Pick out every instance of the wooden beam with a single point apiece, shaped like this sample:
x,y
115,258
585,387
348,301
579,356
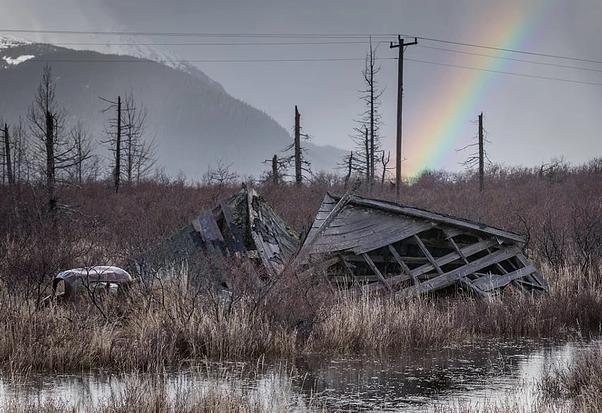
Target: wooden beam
x,y
427,254
458,250
404,268
440,218
447,279
536,276
302,255
491,282
446,259
376,271
381,259
474,288
451,257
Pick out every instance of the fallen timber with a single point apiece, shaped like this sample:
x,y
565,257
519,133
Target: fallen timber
x,y
368,245
242,226
379,246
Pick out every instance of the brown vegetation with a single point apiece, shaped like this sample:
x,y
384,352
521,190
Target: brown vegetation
x,y
161,325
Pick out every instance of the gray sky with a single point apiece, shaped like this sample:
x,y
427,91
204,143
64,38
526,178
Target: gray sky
x,y
528,120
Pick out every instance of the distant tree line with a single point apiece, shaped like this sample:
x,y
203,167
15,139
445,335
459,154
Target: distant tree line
x,y
45,148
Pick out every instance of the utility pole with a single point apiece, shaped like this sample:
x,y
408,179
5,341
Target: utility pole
x,y
481,154
7,159
118,147
401,44
298,171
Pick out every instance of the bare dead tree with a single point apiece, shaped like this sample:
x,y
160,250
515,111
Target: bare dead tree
x,y
54,150
114,138
7,156
478,155
139,154
85,161
220,175
366,134
349,168
277,170
384,162
295,154
22,165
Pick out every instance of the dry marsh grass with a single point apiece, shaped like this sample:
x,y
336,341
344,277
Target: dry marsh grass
x,y
153,330
578,384
149,334
385,325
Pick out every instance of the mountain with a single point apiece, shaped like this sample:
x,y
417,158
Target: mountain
x,y
192,118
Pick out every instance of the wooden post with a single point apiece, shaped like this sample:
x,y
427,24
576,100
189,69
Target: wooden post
x,y
118,147
298,171
481,154
401,45
7,158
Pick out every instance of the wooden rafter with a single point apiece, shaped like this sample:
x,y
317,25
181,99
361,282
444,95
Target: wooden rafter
x,y
376,271
447,279
404,268
427,254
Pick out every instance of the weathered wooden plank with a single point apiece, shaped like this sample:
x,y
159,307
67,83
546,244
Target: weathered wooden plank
x,y
457,249
452,256
451,232
473,287
536,276
447,279
420,213
446,259
491,281
313,235
377,272
404,268
381,259
427,254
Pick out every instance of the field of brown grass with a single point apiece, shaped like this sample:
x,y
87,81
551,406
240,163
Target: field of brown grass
x,y
154,328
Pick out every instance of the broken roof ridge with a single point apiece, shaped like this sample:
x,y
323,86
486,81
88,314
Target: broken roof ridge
x,y
392,206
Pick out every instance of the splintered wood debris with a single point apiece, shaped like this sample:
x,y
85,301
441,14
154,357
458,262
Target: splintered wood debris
x,y
365,244
242,225
374,245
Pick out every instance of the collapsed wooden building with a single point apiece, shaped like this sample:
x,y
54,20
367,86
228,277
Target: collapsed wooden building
x,y
369,245
374,245
243,225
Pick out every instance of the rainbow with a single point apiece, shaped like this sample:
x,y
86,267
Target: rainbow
x,y
432,143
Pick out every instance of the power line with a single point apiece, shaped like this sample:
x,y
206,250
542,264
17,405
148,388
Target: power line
x,y
198,34
502,72
146,60
334,59
321,43
295,36
503,49
512,59
206,43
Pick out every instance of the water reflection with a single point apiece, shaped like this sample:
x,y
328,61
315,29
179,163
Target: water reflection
x,y
487,371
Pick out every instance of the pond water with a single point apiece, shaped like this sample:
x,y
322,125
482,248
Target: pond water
x,y
485,372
